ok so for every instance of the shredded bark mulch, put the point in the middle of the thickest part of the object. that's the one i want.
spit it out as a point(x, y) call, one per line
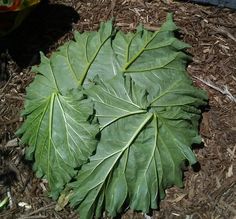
point(210, 186)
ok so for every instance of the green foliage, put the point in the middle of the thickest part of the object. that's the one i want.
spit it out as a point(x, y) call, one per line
point(111, 117)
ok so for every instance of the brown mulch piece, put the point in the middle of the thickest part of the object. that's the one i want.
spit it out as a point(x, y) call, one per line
point(210, 186)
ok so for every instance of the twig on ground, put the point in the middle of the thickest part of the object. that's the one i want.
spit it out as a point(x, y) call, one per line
point(217, 203)
point(223, 90)
point(223, 31)
point(6, 84)
point(30, 215)
point(9, 198)
point(34, 217)
point(10, 121)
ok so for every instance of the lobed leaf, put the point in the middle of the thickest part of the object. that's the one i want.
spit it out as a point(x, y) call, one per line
point(121, 110)
point(141, 150)
point(60, 137)
point(57, 129)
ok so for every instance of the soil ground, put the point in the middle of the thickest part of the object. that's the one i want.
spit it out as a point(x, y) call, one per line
point(210, 186)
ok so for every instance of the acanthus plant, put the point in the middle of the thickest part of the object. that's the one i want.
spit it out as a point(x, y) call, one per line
point(111, 117)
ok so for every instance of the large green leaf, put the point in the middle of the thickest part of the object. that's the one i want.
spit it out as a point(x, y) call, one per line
point(57, 129)
point(141, 150)
point(59, 135)
point(125, 54)
point(160, 50)
point(75, 62)
point(125, 99)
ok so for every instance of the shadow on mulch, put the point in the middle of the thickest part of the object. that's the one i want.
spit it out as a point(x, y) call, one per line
point(39, 32)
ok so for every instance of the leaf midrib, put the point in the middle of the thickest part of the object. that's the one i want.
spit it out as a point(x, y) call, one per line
point(84, 74)
point(129, 62)
point(121, 151)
